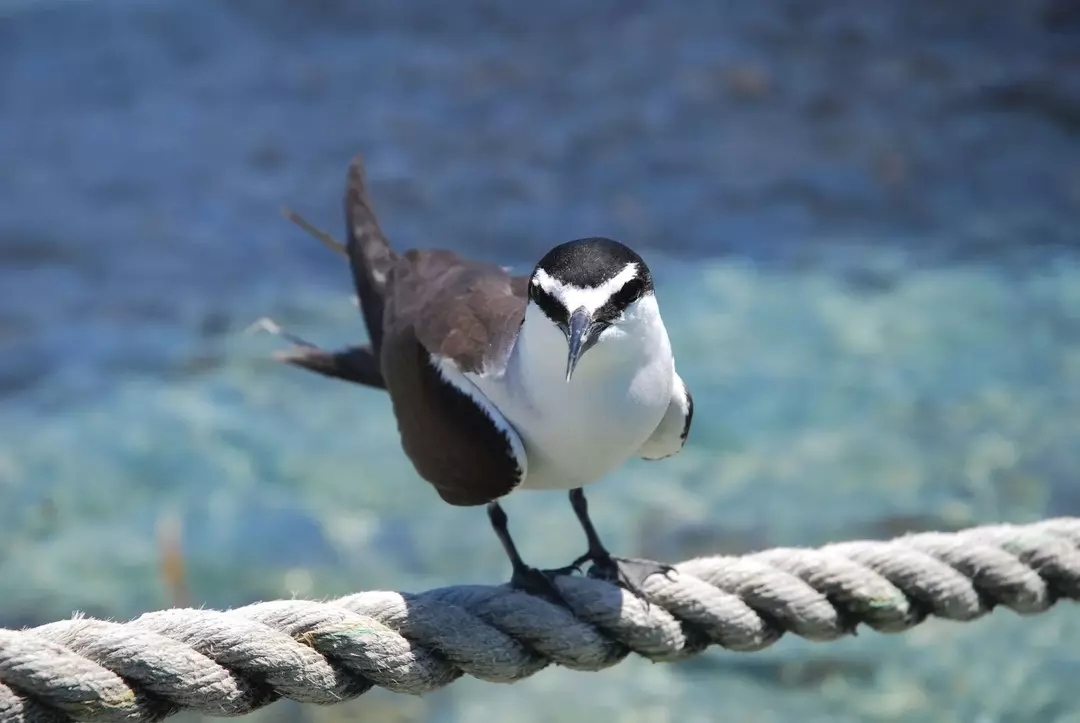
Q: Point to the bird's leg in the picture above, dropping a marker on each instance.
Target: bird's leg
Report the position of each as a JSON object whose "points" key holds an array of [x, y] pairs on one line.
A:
{"points": [[528, 579], [625, 572]]}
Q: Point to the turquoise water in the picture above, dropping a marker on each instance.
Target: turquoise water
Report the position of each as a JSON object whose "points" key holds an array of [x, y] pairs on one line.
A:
{"points": [[863, 223], [824, 412]]}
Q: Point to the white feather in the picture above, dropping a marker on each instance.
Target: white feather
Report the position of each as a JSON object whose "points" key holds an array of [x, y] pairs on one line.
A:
{"points": [[449, 371], [574, 297], [576, 432], [668, 437]]}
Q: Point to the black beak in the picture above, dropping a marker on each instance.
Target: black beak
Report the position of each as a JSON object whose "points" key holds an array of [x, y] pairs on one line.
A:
{"points": [[577, 336]]}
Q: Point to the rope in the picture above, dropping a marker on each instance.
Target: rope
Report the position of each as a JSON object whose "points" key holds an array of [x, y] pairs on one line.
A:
{"points": [[226, 663]]}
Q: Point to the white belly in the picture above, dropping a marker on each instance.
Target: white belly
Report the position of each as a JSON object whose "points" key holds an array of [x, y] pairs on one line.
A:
{"points": [[576, 432]]}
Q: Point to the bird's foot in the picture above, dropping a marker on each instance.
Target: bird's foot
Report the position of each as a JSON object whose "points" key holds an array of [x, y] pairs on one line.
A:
{"points": [[628, 573], [541, 583], [536, 582]]}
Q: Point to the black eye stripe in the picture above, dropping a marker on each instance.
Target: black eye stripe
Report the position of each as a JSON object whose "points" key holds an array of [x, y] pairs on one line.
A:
{"points": [[549, 305], [630, 292], [616, 304]]}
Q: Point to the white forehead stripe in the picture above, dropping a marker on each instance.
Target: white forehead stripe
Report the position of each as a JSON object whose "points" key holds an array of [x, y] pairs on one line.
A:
{"points": [[592, 298]]}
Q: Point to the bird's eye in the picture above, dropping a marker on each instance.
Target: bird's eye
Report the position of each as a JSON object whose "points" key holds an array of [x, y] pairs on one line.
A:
{"points": [[631, 290], [616, 305]]}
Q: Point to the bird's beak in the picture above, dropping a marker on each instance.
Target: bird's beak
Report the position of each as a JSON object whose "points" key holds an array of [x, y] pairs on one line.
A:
{"points": [[577, 336]]}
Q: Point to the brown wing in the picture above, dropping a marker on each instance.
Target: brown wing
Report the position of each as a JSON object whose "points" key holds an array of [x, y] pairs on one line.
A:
{"points": [[520, 286], [444, 316], [356, 364], [463, 310], [369, 252]]}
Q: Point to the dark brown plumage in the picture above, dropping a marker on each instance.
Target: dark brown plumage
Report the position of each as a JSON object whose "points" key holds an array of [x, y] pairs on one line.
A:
{"points": [[357, 364], [453, 444], [434, 317]]}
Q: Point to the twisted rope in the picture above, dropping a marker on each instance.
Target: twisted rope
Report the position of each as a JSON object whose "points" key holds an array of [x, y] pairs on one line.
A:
{"points": [[226, 663]]}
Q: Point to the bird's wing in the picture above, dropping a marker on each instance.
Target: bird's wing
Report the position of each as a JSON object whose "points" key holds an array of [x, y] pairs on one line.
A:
{"points": [[370, 255], [466, 312], [519, 285], [445, 317], [670, 435], [356, 364]]}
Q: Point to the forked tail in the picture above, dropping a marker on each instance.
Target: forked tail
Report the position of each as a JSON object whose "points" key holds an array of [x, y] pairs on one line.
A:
{"points": [[370, 254]]}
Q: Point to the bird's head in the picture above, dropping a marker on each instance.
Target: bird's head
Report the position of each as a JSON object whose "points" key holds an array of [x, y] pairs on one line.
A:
{"points": [[593, 290]]}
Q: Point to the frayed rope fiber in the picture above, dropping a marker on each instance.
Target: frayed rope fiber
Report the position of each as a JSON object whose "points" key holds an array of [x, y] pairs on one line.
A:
{"points": [[227, 663]]}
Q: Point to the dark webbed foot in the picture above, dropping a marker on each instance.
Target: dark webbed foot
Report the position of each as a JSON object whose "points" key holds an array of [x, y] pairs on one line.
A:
{"points": [[629, 574], [540, 583]]}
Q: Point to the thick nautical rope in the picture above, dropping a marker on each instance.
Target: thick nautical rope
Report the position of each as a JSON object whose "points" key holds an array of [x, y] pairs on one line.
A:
{"points": [[225, 663]]}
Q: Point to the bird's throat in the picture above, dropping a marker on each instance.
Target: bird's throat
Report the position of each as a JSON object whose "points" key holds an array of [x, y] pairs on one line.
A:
{"points": [[576, 431]]}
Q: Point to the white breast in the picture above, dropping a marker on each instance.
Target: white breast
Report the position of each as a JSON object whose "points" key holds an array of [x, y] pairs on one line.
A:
{"points": [[578, 431]]}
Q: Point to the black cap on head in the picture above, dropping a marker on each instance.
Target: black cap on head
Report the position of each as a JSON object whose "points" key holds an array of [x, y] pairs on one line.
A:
{"points": [[588, 263]]}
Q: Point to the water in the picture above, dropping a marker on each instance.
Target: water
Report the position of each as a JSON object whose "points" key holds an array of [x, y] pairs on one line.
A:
{"points": [[863, 223]]}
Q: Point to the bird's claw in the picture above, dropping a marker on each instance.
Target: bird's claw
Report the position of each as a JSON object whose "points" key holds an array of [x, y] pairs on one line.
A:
{"points": [[628, 573], [541, 583]]}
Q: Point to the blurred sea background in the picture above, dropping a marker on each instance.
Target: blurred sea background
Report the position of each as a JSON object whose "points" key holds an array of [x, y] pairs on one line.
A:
{"points": [[863, 217]]}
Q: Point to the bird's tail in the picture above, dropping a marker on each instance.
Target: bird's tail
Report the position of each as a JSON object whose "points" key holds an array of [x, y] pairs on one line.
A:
{"points": [[370, 254]]}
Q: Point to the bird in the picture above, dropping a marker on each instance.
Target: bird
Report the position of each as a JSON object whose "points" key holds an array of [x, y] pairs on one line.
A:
{"points": [[500, 383]]}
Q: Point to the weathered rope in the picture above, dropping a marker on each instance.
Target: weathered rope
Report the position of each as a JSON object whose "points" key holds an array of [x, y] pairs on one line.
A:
{"points": [[230, 663]]}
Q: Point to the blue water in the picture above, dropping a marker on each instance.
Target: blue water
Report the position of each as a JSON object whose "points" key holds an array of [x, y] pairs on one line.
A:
{"points": [[863, 219]]}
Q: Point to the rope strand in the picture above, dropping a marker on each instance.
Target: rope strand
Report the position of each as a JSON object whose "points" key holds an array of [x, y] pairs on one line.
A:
{"points": [[227, 663]]}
